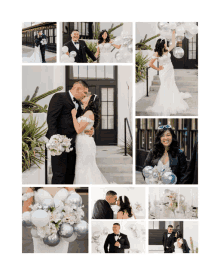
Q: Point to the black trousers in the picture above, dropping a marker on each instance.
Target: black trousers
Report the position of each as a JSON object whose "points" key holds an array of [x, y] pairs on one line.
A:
{"points": [[168, 250], [42, 50], [63, 168]]}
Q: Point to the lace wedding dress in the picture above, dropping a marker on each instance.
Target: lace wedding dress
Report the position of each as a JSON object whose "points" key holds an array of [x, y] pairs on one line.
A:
{"points": [[106, 55], [169, 100], [35, 57], [39, 247], [177, 249], [86, 169]]}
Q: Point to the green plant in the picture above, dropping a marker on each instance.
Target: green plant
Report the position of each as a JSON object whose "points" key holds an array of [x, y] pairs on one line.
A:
{"points": [[142, 44], [30, 106], [92, 48], [141, 66], [33, 147], [128, 145]]}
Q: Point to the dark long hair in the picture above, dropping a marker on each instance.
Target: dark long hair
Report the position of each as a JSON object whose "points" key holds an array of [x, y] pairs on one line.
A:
{"points": [[125, 206], [159, 47], [159, 149], [36, 188], [100, 38], [94, 106]]}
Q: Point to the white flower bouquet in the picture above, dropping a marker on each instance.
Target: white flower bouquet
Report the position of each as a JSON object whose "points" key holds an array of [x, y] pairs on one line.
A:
{"points": [[44, 41], [159, 175], [59, 144]]}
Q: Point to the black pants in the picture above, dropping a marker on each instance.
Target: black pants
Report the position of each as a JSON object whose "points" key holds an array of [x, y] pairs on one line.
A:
{"points": [[63, 168], [42, 50], [168, 250]]}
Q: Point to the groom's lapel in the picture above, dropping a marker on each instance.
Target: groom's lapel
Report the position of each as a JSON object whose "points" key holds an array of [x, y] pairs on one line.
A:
{"points": [[75, 49], [69, 98]]}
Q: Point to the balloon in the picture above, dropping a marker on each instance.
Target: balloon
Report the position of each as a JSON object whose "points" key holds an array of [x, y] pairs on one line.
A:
{"points": [[118, 40], [72, 54], [182, 198], [130, 48], [58, 205], [166, 192], [65, 58], [169, 178], [155, 175], [178, 52], [118, 56], [98, 249], [34, 233], [62, 194], [52, 240], [74, 198], [148, 171], [48, 203], [26, 219], [81, 227], [188, 35], [180, 30], [191, 27], [162, 26], [72, 238], [40, 218], [172, 25], [72, 59], [66, 230], [96, 235], [65, 49], [166, 34]]}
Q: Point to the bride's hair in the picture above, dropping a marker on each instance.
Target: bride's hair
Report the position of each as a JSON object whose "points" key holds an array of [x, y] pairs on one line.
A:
{"points": [[159, 47], [36, 188], [100, 38], [158, 149], [179, 235], [125, 206], [94, 106]]}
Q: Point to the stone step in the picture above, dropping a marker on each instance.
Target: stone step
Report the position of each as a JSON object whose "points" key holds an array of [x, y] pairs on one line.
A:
{"points": [[191, 89], [113, 159], [178, 83], [181, 78], [115, 168], [119, 178]]}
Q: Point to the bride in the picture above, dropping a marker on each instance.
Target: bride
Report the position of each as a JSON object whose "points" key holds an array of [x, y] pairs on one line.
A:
{"points": [[36, 56], [125, 211], [104, 48], [38, 195], [86, 169], [180, 245], [169, 100]]}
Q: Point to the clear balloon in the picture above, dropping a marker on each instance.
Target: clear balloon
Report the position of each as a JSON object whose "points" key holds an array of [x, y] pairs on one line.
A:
{"points": [[72, 54], [74, 198], [66, 230], [162, 26], [169, 178], [65, 58], [172, 25], [147, 171], [188, 35], [52, 240], [81, 228], [178, 52], [40, 218], [180, 30]]}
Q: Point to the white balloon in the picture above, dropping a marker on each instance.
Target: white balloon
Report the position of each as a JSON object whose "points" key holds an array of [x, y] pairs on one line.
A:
{"points": [[62, 194], [59, 205], [40, 218], [118, 40], [34, 233], [71, 239], [166, 34], [65, 58], [180, 30], [191, 27], [188, 35], [172, 25], [72, 59]]}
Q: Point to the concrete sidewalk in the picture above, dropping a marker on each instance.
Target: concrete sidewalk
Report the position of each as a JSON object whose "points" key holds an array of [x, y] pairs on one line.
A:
{"points": [[49, 56]]}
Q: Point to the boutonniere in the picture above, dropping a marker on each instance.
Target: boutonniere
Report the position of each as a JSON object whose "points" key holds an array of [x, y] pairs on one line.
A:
{"points": [[119, 237]]}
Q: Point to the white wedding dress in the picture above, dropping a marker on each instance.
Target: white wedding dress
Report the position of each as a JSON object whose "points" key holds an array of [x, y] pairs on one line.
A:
{"points": [[86, 169], [106, 56], [39, 247], [177, 249], [169, 100], [35, 57]]}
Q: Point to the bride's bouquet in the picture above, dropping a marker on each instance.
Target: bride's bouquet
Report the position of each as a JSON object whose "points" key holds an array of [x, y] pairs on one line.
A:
{"points": [[53, 219], [159, 175], [59, 144]]}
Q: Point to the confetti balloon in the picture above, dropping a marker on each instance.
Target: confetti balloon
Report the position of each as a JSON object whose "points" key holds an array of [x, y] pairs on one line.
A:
{"points": [[72, 238], [40, 218], [162, 26], [26, 219], [52, 240], [147, 171], [81, 228], [169, 178], [75, 199], [178, 52], [66, 230]]}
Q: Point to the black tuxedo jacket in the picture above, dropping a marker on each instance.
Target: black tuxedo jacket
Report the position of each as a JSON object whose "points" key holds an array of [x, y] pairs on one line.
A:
{"points": [[178, 164], [59, 117], [169, 242], [109, 246], [81, 53], [38, 40], [102, 210]]}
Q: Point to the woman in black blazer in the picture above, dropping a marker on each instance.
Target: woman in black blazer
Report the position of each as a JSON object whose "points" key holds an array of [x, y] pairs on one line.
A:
{"points": [[166, 148]]}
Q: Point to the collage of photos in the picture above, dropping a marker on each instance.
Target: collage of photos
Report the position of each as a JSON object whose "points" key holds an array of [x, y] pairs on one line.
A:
{"points": [[102, 135]]}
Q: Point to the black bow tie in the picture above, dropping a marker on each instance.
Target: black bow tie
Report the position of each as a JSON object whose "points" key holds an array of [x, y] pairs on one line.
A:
{"points": [[116, 234], [76, 43]]}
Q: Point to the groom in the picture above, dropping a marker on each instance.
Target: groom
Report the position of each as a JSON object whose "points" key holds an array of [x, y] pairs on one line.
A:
{"points": [[43, 41], [80, 47], [116, 242], [59, 120], [102, 208], [168, 240]]}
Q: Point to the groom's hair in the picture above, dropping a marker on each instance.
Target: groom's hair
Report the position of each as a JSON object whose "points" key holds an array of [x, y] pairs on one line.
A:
{"points": [[82, 82], [75, 30], [111, 193], [170, 226], [116, 224]]}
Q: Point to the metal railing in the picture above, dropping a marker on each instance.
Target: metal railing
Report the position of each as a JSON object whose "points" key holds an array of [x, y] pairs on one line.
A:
{"points": [[126, 124]]}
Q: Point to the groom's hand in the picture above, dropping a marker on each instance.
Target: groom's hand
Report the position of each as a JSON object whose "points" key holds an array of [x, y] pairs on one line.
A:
{"points": [[117, 244], [67, 53], [90, 132]]}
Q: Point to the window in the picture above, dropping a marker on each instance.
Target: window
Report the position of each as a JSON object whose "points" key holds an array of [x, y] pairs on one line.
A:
{"points": [[107, 108], [92, 72], [192, 47]]}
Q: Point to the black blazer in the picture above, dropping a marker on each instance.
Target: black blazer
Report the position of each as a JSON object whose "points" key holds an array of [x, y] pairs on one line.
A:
{"points": [[102, 210], [38, 40], [169, 242], [178, 164], [110, 241], [59, 117], [81, 53]]}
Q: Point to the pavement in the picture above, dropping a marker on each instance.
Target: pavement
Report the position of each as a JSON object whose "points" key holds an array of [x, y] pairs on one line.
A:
{"points": [[49, 56]]}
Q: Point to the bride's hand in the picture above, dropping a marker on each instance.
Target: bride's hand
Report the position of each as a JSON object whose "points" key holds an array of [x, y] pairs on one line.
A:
{"points": [[90, 132], [74, 112], [160, 68]]}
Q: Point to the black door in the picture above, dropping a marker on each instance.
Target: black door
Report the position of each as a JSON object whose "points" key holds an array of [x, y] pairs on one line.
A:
{"points": [[85, 30]]}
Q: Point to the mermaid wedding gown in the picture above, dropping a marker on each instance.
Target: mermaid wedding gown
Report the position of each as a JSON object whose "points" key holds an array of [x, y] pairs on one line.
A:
{"points": [[106, 56], [86, 169], [169, 100], [35, 57]]}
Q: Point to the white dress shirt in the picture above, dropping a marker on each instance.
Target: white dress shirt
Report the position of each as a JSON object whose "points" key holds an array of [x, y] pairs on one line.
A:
{"points": [[116, 239], [76, 45], [73, 99]]}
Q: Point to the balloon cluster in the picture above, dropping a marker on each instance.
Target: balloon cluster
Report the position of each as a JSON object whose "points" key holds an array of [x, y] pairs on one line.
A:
{"points": [[124, 54], [182, 29], [97, 238], [54, 219], [156, 175], [67, 58]]}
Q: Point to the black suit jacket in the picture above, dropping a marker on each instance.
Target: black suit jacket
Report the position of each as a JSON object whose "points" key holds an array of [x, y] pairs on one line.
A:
{"points": [[38, 40], [59, 117], [178, 164], [109, 246], [81, 53], [169, 242], [102, 210]]}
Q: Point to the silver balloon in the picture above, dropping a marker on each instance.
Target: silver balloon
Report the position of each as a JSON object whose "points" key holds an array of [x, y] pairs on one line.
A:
{"points": [[26, 219], [66, 230], [162, 26], [47, 203], [169, 178], [147, 171], [72, 54], [178, 52], [188, 35], [52, 240], [155, 175], [118, 56], [72, 238], [81, 227], [75, 199]]}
